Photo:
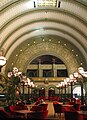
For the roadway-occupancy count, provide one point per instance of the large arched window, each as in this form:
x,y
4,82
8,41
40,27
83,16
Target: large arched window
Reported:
x,y
47,64
77,92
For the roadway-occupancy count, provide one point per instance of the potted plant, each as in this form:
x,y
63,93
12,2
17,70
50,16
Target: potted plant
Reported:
x,y
11,87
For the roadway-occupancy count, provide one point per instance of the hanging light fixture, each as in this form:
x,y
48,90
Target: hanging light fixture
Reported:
x,y
3,61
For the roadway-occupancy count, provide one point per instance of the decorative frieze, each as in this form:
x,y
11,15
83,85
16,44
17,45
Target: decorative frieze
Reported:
x,y
48,48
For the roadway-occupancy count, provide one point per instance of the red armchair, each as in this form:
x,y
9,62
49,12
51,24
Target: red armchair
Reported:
x,y
37,102
13,108
72,115
58,108
4,114
44,106
37,108
42,115
77,106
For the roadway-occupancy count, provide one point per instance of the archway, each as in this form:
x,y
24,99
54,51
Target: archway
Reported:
x,y
42,92
51,92
47,48
77,92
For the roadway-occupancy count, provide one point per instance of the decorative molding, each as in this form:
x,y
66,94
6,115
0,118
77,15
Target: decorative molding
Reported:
x,y
46,81
57,50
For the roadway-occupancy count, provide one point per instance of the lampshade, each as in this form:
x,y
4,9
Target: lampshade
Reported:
x,y
67,80
76,74
84,74
81,70
71,76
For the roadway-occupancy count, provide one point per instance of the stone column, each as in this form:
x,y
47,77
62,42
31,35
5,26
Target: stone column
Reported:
x,y
40,71
54,69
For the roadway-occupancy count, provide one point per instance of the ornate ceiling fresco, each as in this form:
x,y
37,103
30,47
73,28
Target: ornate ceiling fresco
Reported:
x,y
29,29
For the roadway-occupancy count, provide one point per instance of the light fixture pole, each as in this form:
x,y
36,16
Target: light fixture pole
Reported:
x,y
32,86
29,85
28,92
23,83
61,85
72,79
65,83
58,87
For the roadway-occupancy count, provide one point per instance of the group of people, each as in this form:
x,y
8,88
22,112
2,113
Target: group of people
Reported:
x,y
20,102
38,102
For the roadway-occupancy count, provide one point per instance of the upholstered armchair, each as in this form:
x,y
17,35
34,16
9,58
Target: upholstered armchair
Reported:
x,y
58,108
4,114
39,115
72,115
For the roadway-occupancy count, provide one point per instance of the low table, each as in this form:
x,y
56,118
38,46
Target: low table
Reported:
x,y
23,112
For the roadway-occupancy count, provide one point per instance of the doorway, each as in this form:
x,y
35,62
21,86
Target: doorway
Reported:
x,y
77,92
42,92
51,92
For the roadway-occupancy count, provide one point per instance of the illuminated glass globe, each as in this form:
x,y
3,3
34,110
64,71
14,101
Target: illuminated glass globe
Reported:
x,y
2,61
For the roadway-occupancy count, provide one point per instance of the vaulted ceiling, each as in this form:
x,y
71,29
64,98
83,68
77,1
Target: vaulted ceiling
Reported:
x,y
29,29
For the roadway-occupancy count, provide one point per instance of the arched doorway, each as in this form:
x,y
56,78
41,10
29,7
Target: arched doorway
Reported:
x,y
51,92
42,92
77,92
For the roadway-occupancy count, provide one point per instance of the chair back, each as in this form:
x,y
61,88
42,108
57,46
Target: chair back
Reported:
x,y
44,106
58,108
6,108
37,102
13,108
55,102
37,108
77,106
69,108
83,107
3,114
39,115
71,103
72,115
24,107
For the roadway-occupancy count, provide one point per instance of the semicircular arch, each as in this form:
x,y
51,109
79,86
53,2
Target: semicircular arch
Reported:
x,y
45,48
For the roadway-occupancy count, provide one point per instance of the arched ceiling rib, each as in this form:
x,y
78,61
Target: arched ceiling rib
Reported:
x,y
19,27
39,25
29,35
19,23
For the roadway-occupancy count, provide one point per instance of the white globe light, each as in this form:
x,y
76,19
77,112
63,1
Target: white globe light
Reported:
x,y
2,61
81,70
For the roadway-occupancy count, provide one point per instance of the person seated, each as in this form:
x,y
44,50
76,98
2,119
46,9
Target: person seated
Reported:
x,y
20,102
41,102
37,102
